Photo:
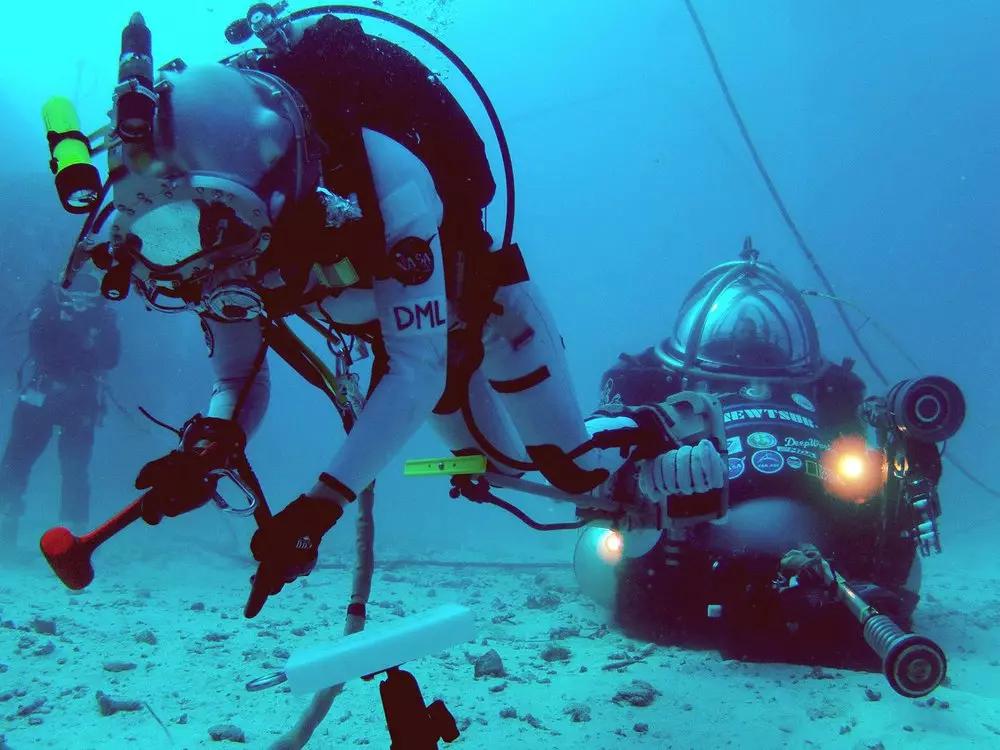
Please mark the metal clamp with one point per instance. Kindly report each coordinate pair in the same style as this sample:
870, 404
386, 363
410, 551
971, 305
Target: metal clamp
131, 85
269, 681
235, 478
350, 400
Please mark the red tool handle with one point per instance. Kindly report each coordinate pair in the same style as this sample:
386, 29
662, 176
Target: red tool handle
69, 555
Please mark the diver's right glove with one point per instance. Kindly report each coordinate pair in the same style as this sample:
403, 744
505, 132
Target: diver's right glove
176, 483
185, 478
685, 471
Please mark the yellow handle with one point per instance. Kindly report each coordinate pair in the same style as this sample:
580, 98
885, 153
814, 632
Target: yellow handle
59, 116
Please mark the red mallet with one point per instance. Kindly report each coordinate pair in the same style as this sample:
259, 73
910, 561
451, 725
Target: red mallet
69, 555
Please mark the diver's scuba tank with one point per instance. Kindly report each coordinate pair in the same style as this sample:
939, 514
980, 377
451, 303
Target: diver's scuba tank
78, 182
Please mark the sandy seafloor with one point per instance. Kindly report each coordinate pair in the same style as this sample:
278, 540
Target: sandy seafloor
193, 677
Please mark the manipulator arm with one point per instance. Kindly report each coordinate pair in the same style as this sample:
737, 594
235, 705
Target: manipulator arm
653, 436
909, 421
678, 472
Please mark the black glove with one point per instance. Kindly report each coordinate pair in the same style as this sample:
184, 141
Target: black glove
177, 483
655, 429
287, 546
181, 481
652, 435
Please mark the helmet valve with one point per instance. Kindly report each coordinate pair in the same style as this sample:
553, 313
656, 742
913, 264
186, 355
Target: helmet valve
260, 21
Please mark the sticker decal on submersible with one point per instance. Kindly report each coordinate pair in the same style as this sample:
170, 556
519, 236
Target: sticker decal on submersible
816, 469
736, 467
756, 392
747, 414
762, 440
794, 462
734, 445
802, 401
768, 462
810, 448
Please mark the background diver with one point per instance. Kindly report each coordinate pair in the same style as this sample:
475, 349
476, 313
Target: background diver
798, 474
353, 198
73, 343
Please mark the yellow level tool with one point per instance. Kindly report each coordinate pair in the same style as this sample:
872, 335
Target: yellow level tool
433, 467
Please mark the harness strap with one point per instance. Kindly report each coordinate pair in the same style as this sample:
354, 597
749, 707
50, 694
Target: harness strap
476, 302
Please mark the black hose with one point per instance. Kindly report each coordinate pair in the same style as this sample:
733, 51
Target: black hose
528, 520
158, 422
406, 562
455, 564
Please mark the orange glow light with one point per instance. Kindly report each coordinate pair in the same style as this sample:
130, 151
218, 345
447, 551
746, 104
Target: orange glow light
851, 470
851, 467
610, 547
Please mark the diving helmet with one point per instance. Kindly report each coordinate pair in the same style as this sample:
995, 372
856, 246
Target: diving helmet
744, 319
195, 208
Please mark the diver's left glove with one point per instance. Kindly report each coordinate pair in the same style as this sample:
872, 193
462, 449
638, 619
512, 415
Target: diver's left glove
287, 546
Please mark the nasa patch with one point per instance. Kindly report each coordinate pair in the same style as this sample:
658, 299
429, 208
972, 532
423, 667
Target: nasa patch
736, 467
762, 440
209, 337
768, 462
802, 401
756, 392
412, 261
